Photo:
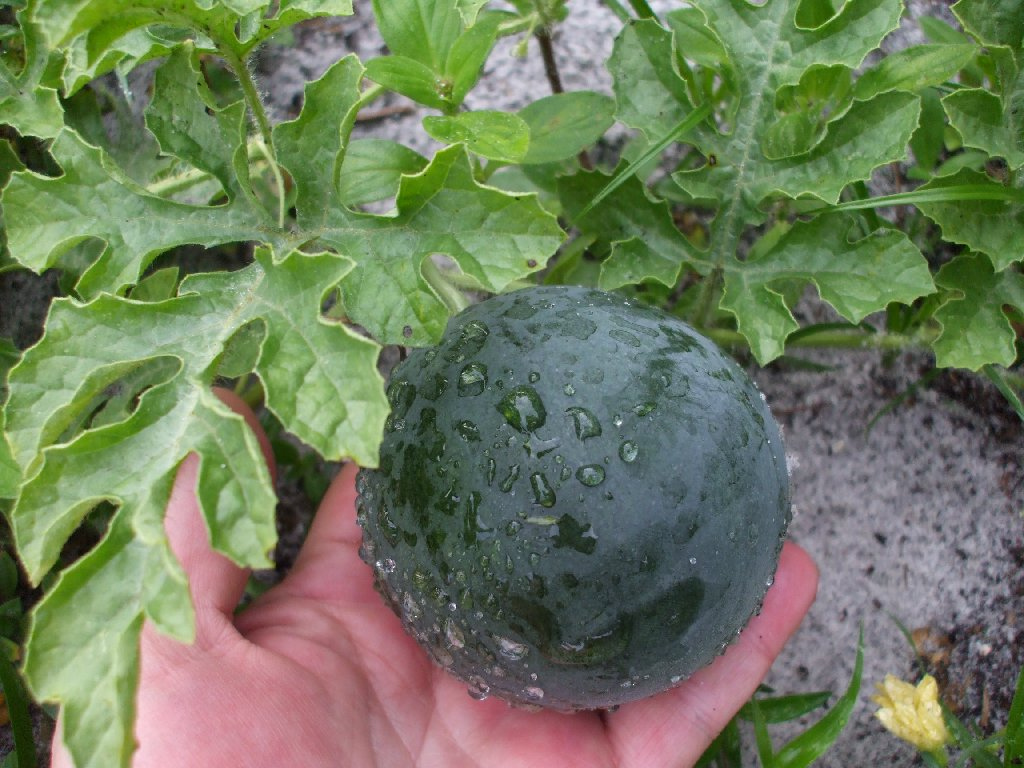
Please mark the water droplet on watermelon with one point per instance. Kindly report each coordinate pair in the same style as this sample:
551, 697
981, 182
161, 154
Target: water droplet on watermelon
523, 409
409, 607
644, 408
543, 493
590, 474
510, 479
584, 423
453, 634
471, 340
436, 387
533, 692
472, 380
628, 451
510, 649
469, 431
625, 337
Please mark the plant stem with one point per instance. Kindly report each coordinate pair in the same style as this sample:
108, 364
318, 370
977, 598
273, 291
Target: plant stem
370, 95
547, 53
17, 705
833, 339
618, 9
275, 169
177, 183
259, 114
444, 287
642, 9
704, 308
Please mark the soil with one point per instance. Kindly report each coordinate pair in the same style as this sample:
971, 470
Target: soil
914, 517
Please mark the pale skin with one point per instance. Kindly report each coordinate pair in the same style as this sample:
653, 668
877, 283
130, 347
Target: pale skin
318, 672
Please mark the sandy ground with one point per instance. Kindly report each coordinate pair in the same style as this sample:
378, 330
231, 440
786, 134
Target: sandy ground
918, 520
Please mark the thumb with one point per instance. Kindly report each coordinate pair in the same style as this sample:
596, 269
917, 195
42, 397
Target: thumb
215, 583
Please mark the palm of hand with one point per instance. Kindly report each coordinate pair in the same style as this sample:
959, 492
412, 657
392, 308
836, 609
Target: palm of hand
318, 672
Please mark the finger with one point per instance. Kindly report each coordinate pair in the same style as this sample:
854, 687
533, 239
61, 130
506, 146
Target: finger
239, 406
59, 755
215, 583
674, 728
328, 566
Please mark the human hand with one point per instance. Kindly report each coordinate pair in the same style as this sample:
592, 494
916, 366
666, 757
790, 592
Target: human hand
319, 672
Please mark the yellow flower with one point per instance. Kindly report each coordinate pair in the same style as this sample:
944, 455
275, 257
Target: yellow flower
912, 712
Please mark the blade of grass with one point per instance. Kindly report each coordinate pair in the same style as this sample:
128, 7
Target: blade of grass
1014, 751
781, 709
765, 750
620, 178
724, 751
980, 753
922, 668
17, 708
816, 740
944, 195
996, 377
968, 740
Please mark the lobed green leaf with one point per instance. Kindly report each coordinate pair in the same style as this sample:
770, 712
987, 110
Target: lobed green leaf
95, 414
312, 146
495, 238
99, 27
646, 243
982, 121
856, 275
650, 93
10, 472
58, 213
975, 329
373, 168
28, 105
992, 22
187, 122
990, 226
